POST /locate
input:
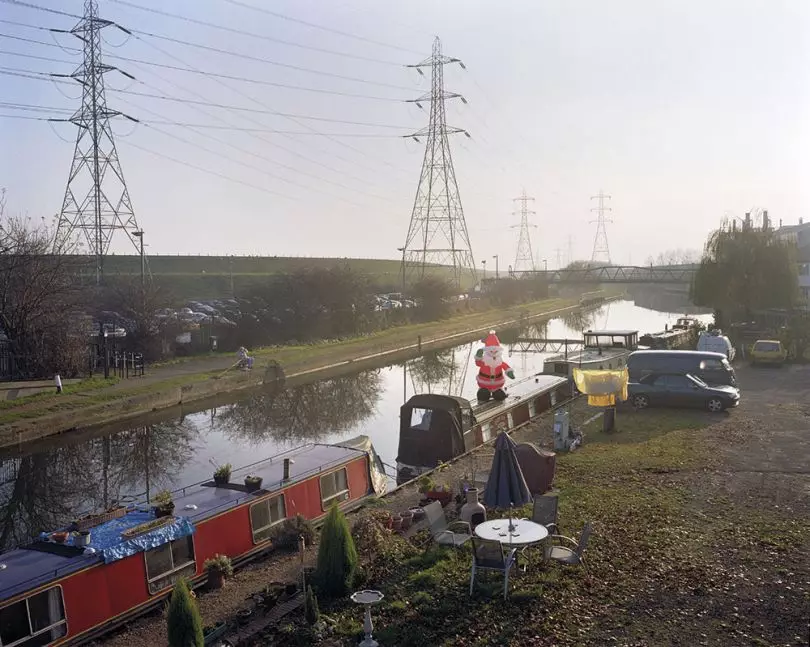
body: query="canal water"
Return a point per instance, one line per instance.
(46, 487)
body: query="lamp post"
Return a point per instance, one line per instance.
(139, 236)
(484, 263)
(402, 287)
(545, 265)
(497, 274)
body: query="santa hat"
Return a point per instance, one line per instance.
(491, 339)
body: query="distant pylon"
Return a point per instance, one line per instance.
(437, 234)
(524, 260)
(96, 199)
(570, 249)
(601, 251)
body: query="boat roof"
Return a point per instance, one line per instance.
(615, 333)
(27, 567)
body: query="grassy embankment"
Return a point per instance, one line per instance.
(292, 358)
(669, 562)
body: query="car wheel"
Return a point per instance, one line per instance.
(641, 401)
(715, 405)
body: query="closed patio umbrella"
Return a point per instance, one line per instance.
(506, 485)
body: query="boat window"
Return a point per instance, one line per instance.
(266, 514)
(35, 621)
(467, 419)
(420, 418)
(169, 562)
(334, 487)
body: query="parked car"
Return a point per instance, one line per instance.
(712, 368)
(768, 351)
(673, 390)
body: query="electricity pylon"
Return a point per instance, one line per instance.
(524, 259)
(601, 251)
(97, 201)
(437, 235)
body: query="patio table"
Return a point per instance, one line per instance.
(524, 533)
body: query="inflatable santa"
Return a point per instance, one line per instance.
(491, 369)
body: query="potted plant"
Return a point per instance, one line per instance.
(396, 522)
(222, 475)
(426, 484)
(440, 493)
(218, 568)
(164, 506)
(252, 483)
(82, 538)
(407, 518)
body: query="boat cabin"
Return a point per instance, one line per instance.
(432, 429)
(685, 323)
(611, 339)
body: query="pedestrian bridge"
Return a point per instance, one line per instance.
(673, 274)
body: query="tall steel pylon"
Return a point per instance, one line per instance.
(437, 234)
(97, 201)
(601, 251)
(524, 259)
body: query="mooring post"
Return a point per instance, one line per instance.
(419, 343)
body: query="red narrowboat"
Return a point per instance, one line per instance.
(68, 588)
(439, 428)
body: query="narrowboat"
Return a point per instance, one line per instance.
(69, 588)
(602, 349)
(664, 340)
(438, 428)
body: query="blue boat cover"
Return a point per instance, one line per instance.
(108, 541)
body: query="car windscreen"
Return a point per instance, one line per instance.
(767, 346)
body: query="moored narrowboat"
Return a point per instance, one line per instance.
(602, 349)
(438, 428)
(68, 587)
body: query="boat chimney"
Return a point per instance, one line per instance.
(287, 463)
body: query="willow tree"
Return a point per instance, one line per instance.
(745, 270)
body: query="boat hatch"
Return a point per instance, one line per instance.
(431, 428)
(604, 339)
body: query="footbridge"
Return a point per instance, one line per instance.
(670, 274)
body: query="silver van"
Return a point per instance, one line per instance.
(712, 368)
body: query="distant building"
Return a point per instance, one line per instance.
(799, 235)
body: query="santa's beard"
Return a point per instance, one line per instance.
(492, 362)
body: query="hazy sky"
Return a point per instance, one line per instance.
(681, 110)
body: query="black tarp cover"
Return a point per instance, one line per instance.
(444, 438)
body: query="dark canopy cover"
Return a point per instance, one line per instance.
(442, 440)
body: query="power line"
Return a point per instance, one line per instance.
(30, 5)
(321, 27)
(190, 70)
(243, 32)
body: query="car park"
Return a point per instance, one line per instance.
(687, 391)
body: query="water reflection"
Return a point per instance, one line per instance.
(440, 371)
(306, 413)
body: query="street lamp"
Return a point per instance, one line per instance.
(139, 236)
(402, 249)
(545, 265)
(497, 275)
(484, 263)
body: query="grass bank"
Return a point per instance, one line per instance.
(195, 379)
(668, 563)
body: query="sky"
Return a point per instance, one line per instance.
(685, 112)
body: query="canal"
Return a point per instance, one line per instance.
(46, 485)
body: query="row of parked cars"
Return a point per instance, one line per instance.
(676, 378)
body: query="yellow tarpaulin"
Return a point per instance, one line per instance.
(603, 387)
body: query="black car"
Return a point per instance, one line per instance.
(672, 390)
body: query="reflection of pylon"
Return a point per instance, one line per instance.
(524, 260)
(96, 199)
(437, 234)
(601, 251)
(453, 384)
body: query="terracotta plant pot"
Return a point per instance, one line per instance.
(407, 518)
(440, 495)
(396, 522)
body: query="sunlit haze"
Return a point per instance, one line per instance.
(683, 111)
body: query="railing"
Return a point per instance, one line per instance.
(618, 274)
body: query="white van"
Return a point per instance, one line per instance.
(716, 342)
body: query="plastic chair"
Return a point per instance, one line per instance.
(488, 555)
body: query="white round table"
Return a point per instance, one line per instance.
(524, 532)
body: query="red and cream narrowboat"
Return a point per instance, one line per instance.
(439, 428)
(67, 588)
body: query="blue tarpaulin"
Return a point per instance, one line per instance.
(506, 485)
(108, 541)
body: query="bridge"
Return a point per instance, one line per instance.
(672, 274)
(550, 346)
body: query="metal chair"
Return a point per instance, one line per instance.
(488, 555)
(565, 554)
(442, 531)
(544, 512)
